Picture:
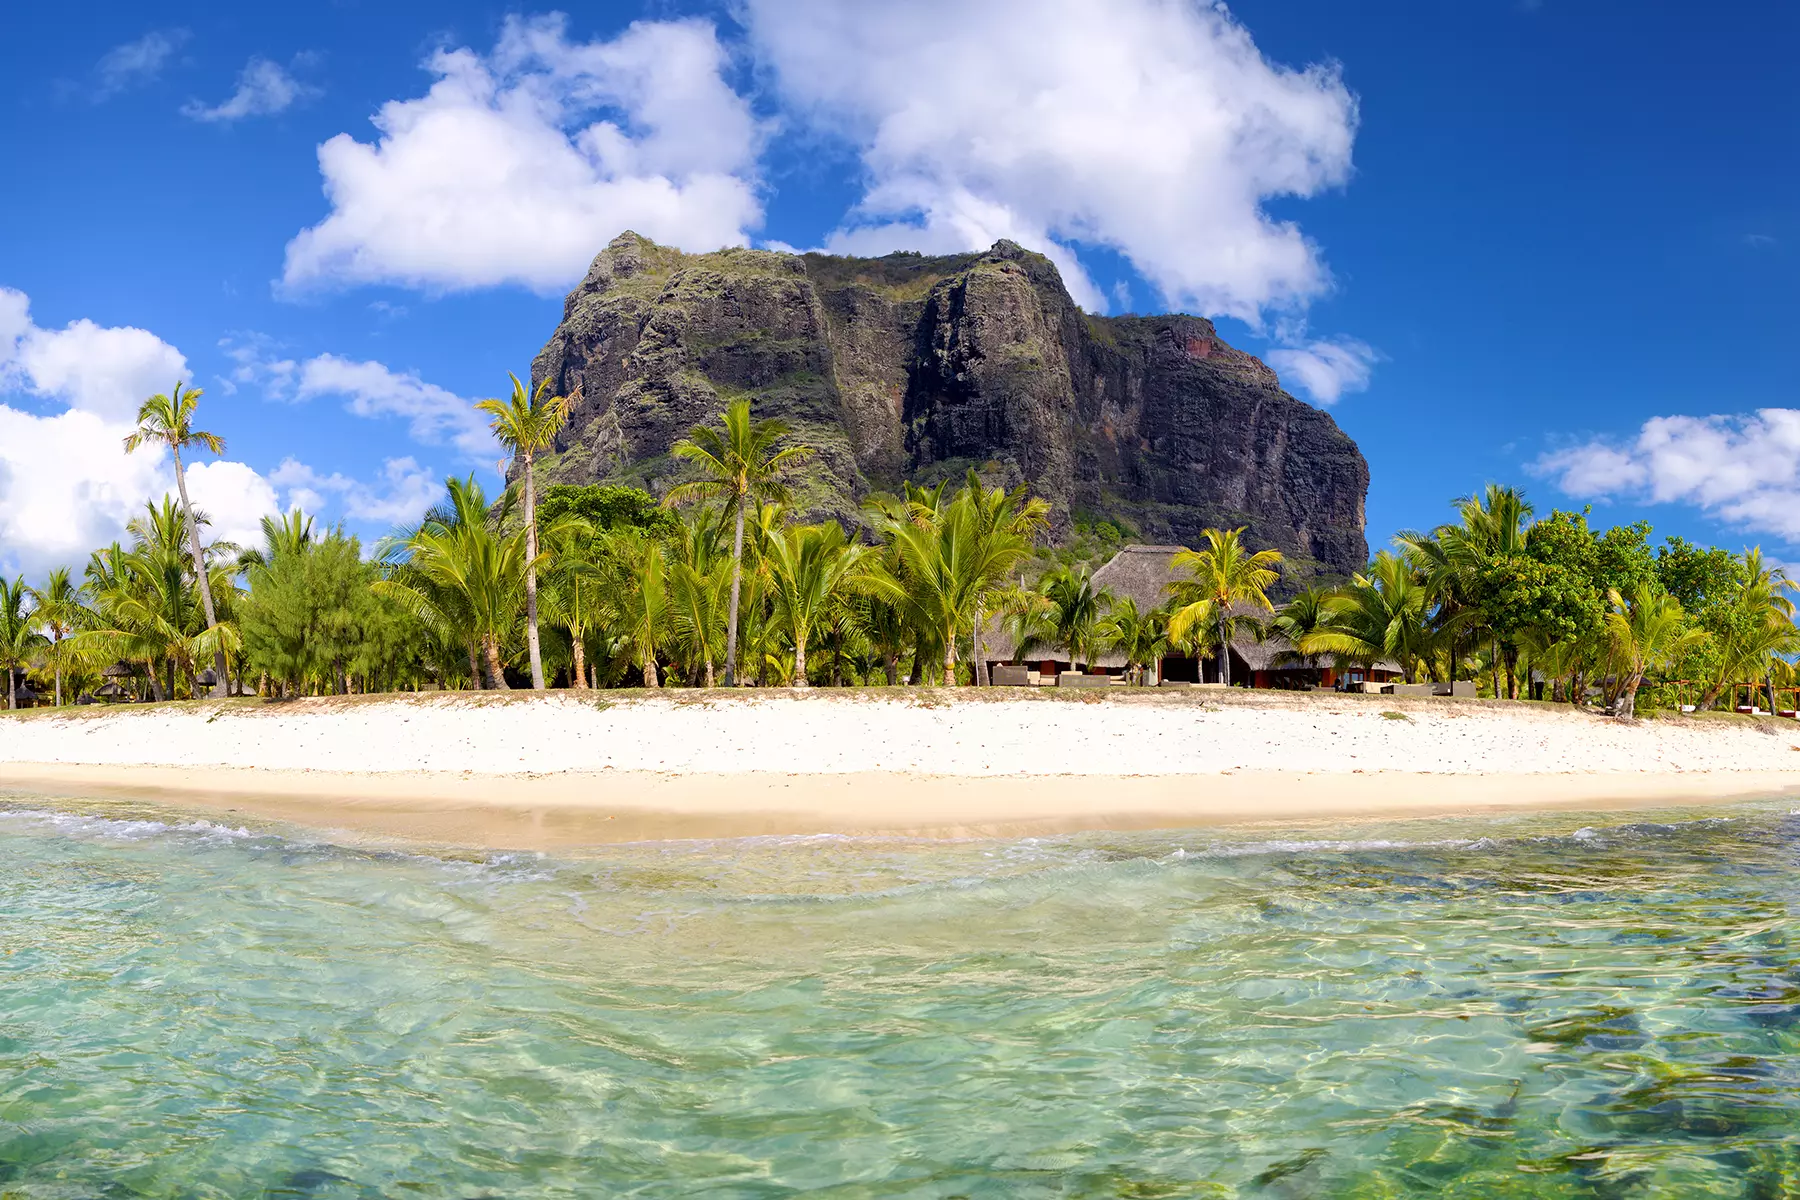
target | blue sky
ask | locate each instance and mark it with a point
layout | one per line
(1546, 243)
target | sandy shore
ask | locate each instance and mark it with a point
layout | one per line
(529, 771)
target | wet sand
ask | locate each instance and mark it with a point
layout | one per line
(546, 811)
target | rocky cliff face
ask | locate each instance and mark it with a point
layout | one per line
(908, 367)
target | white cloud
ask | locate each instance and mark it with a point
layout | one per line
(107, 371)
(234, 498)
(135, 62)
(517, 166)
(1153, 127)
(263, 88)
(1326, 369)
(67, 487)
(405, 492)
(1743, 469)
(433, 415)
(66, 484)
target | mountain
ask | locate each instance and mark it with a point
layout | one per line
(915, 367)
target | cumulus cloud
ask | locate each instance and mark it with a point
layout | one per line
(1153, 127)
(402, 495)
(102, 370)
(1743, 469)
(66, 484)
(234, 499)
(518, 165)
(1326, 369)
(263, 88)
(132, 63)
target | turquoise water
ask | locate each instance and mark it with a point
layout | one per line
(1507, 1007)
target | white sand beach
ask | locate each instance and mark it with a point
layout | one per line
(525, 770)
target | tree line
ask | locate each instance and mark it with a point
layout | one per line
(718, 582)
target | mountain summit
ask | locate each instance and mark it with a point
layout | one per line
(915, 367)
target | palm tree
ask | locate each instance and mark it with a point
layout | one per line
(699, 578)
(1141, 638)
(59, 608)
(1490, 526)
(169, 421)
(529, 422)
(1384, 613)
(18, 638)
(1007, 522)
(1759, 629)
(641, 598)
(810, 568)
(1304, 615)
(577, 588)
(1647, 631)
(1076, 609)
(1223, 578)
(459, 575)
(740, 465)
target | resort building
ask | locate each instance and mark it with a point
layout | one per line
(1144, 573)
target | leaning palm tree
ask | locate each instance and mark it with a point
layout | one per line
(743, 464)
(60, 608)
(18, 637)
(1646, 631)
(1223, 578)
(529, 422)
(169, 421)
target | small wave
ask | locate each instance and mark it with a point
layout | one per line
(122, 828)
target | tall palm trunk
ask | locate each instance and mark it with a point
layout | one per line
(950, 656)
(650, 679)
(200, 574)
(978, 677)
(737, 575)
(12, 691)
(578, 675)
(531, 607)
(1224, 657)
(709, 671)
(496, 672)
(800, 659)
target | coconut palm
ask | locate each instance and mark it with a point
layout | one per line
(459, 575)
(169, 420)
(577, 589)
(1223, 579)
(1139, 637)
(1306, 614)
(945, 556)
(1075, 612)
(59, 607)
(19, 638)
(1007, 522)
(811, 568)
(1758, 629)
(1383, 613)
(529, 422)
(741, 464)
(1646, 631)
(643, 613)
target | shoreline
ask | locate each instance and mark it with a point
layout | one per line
(560, 769)
(552, 811)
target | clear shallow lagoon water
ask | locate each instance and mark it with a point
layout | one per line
(1516, 1006)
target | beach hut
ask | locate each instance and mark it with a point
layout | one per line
(1144, 573)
